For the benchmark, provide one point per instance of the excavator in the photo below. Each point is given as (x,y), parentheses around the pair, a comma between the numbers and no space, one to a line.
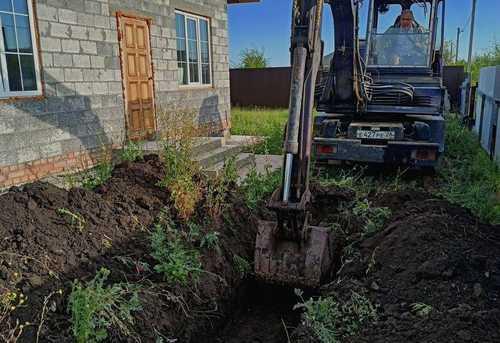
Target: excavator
(380,100)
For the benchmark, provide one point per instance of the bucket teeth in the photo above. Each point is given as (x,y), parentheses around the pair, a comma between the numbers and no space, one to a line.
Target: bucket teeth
(300,264)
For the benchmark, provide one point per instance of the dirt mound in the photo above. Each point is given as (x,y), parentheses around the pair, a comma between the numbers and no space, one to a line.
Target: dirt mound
(433,273)
(51,237)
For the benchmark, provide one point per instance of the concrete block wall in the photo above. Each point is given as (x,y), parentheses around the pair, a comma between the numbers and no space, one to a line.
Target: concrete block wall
(210,103)
(82,108)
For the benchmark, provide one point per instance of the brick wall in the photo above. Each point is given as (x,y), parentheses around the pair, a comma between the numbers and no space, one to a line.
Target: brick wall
(83,107)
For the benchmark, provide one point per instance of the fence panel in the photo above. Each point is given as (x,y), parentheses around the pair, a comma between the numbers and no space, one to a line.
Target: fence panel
(453,77)
(270,87)
(266,87)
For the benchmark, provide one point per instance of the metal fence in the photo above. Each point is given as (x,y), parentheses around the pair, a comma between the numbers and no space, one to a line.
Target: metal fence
(453,77)
(270,87)
(266,87)
(487,111)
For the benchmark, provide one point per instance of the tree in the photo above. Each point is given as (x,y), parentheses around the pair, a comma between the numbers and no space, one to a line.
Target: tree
(253,58)
(490,57)
(448,53)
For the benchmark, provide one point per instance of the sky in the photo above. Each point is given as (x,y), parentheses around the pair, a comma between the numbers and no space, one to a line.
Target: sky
(266,25)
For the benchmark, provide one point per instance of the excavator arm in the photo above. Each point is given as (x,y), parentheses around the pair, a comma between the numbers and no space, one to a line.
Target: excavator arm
(290,251)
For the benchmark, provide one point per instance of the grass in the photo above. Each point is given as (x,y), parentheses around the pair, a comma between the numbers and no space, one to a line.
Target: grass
(269,123)
(468,177)
(256,187)
(95,308)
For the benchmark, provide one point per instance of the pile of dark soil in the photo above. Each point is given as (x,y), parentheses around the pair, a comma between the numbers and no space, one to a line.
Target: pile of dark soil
(431,252)
(42,251)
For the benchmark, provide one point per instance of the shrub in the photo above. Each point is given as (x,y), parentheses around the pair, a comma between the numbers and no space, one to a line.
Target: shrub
(218,187)
(175,261)
(179,173)
(95,308)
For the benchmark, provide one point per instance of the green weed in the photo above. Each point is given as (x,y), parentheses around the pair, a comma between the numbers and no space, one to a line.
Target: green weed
(219,186)
(97,176)
(241,265)
(95,308)
(178,178)
(374,217)
(211,241)
(256,187)
(331,320)
(175,261)
(132,151)
(421,309)
(76,220)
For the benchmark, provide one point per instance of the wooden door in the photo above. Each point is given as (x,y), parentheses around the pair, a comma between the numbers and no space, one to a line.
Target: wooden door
(137,77)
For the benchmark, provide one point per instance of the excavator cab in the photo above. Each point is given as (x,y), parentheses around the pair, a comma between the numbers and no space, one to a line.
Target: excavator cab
(401,120)
(400,36)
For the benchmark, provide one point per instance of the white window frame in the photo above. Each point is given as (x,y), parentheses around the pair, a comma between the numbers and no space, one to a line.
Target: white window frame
(4,84)
(197,18)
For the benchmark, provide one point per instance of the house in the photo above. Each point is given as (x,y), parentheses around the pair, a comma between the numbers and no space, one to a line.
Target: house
(77,75)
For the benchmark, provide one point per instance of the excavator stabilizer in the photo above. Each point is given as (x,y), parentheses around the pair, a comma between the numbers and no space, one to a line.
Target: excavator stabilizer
(305,263)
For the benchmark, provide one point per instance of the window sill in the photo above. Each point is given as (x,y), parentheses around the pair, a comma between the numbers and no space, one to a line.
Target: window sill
(15,98)
(195,87)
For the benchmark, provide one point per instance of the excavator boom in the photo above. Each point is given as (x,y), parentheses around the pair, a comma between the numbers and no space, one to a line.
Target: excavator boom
(290,251)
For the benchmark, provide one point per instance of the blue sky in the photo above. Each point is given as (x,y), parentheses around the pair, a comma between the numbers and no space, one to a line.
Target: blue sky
(266,25)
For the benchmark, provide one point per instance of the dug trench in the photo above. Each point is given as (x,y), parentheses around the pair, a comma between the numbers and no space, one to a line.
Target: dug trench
(51,238)
(424,251)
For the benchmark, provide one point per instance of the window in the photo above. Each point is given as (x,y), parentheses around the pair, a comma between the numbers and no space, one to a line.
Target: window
(400,36)
(193,49)
(19,74)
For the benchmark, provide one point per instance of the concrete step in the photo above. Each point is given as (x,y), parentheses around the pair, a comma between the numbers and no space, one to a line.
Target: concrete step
(218,155)
(206,144)
(244,140)
(201,145)
(243,160)
(263,164)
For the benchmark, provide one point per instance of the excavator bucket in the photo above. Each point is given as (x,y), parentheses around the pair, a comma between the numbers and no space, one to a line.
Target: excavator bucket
(303,263)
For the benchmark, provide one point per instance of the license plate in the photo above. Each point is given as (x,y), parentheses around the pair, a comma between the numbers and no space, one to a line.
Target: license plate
(375,134)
